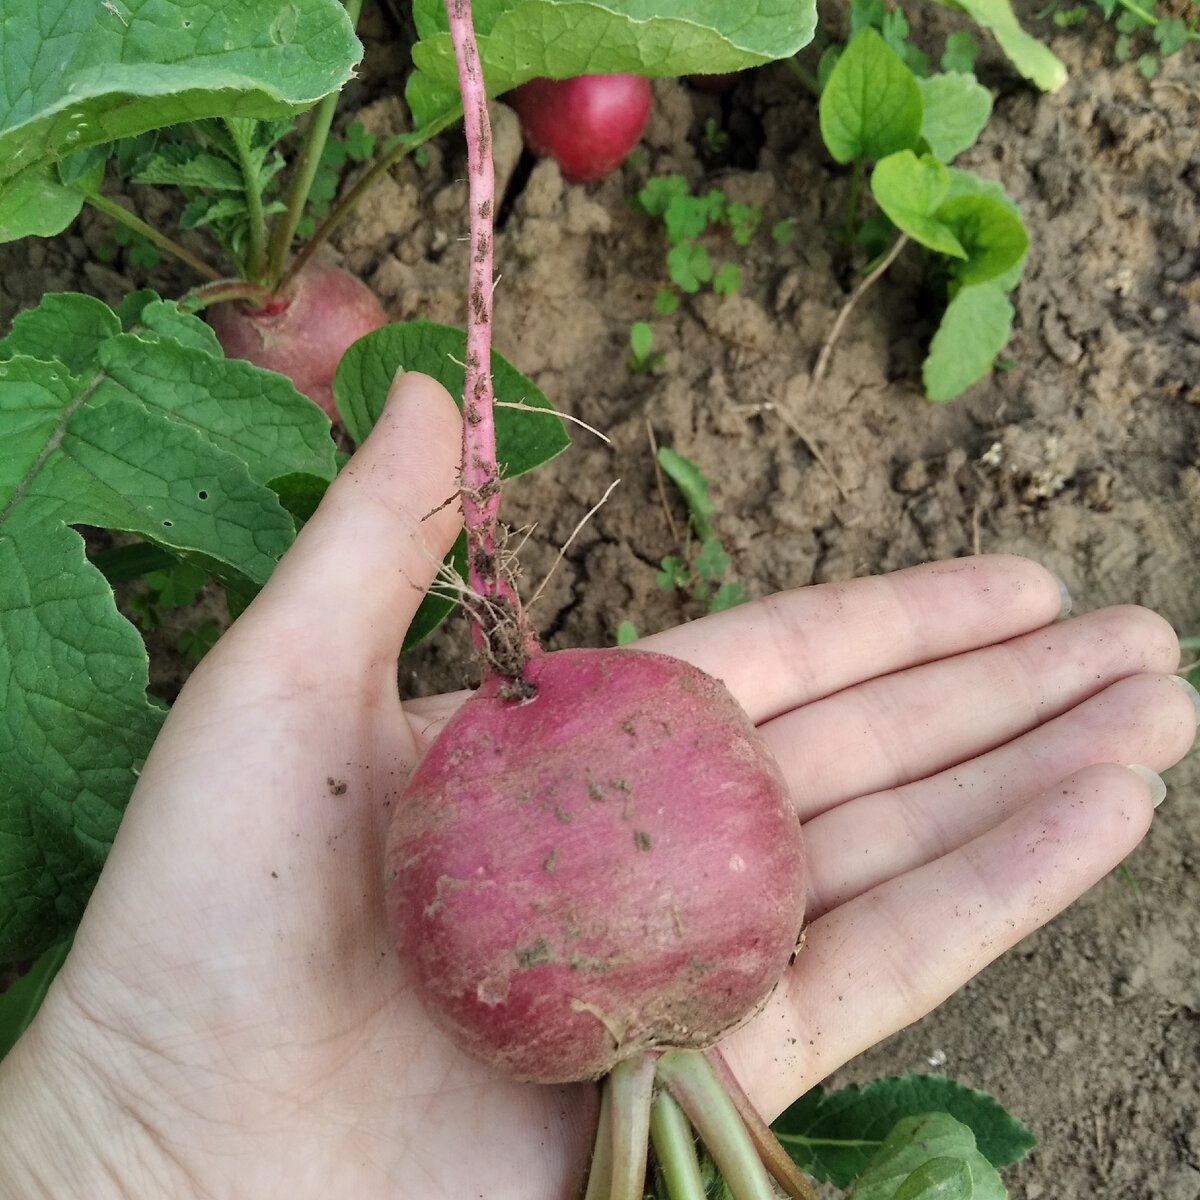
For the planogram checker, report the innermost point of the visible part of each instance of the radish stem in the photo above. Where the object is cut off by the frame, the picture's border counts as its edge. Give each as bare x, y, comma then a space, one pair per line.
632, 1083
675, 1148
690, 1079
774, 1157
497, 606
599, 1184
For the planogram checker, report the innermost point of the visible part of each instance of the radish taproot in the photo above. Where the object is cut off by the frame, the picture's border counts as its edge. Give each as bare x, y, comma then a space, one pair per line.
588, 124
611, 865
303, 331
596, 869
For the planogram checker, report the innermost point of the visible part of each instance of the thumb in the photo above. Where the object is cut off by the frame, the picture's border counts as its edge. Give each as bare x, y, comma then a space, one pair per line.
350, 585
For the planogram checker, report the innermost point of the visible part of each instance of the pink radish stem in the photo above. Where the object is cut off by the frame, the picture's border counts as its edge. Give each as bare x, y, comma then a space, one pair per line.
496, 603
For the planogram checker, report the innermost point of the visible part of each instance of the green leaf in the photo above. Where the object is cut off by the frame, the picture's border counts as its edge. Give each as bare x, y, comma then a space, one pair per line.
974, 329
641, 340
524, 439
1027, 54
961, 52
1171, 34
111, 72
626, 633
929, 1157
141, 433
833, 1135
728, 595
689, 266
993, 237
20, 1001
727, 280
520, 39
967, 183
938, 1179
910, 190
871, 106
665, 301
658, 192
957, 108
35, 203
690, 480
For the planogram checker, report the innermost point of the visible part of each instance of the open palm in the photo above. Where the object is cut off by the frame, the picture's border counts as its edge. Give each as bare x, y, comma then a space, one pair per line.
233, 1020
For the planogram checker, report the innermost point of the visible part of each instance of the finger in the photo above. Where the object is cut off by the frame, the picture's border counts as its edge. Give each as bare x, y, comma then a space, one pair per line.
901, 727
797, 646
1145, 719
887, 958
344, 594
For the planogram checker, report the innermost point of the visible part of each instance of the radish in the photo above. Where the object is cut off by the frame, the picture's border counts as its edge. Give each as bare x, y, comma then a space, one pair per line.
587, 124
304, 331
596, 870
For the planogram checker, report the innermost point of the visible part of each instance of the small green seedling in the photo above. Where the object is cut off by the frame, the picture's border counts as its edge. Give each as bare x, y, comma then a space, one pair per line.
1143, 36
702, 575
686, 220
642, 357
875, 108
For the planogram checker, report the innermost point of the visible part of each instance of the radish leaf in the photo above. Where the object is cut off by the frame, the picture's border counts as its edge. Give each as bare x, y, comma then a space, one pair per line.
524, 440
134, 430
926, 1157
910, 190
871, 106
956, 108
521, 39
112, 71
833, 1135
975, 328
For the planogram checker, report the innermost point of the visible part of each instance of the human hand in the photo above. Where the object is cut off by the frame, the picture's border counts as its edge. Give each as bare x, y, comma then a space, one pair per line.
233, 1020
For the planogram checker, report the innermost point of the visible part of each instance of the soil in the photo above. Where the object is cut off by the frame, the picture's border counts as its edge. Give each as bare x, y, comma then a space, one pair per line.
1084, 453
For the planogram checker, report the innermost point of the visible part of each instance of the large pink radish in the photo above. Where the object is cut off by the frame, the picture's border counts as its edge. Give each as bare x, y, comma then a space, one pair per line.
610, 866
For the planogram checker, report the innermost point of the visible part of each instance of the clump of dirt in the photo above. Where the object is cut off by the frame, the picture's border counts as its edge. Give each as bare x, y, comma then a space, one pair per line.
1084, 454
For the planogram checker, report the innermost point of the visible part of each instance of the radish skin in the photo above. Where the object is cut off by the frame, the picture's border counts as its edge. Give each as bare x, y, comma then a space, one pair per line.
303, 332
611, 866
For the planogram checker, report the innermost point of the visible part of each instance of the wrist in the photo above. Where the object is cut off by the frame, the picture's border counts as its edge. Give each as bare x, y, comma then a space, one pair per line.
63, 1136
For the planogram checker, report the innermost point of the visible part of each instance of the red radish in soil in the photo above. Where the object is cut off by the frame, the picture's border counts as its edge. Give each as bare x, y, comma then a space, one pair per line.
303, 332
597, 868
587, 124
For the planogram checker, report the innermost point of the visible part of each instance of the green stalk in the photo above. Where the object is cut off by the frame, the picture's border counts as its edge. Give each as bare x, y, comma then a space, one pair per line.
239, 134
257, 295
167, 245
632, 1082
599, 1184
283, 229
806, 78
694, 1086
675, 1149
774, 1157
852, 202
345, 206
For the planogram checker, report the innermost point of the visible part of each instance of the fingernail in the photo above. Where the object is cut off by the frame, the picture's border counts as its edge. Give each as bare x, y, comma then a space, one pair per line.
1153, 780
1192, 694
1064, 595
